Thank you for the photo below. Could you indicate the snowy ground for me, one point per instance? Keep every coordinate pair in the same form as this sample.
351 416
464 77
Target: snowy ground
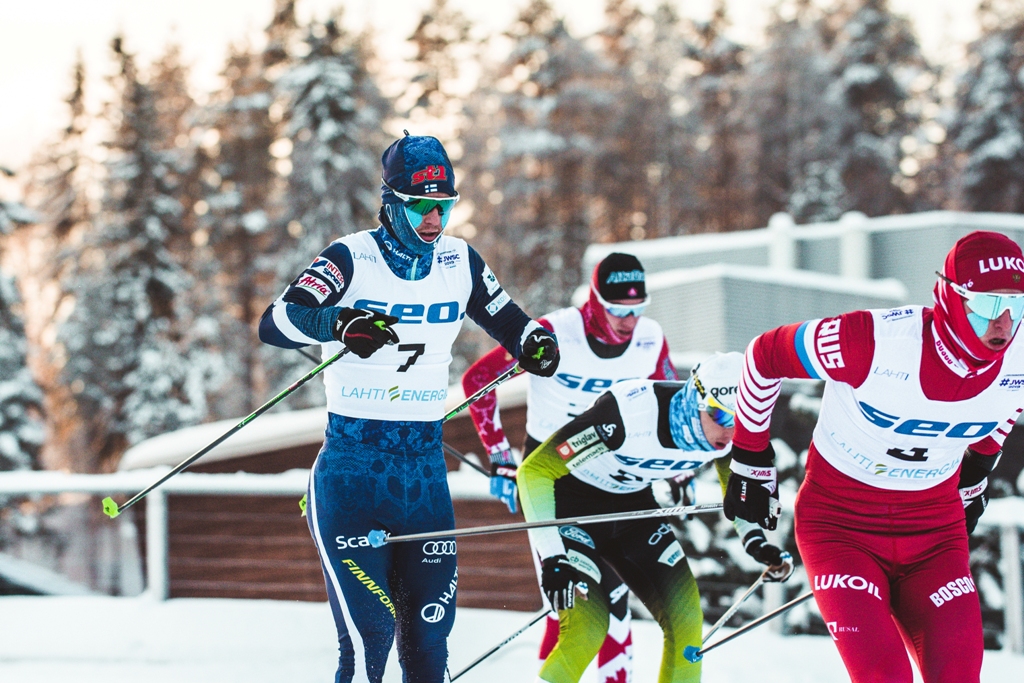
94 639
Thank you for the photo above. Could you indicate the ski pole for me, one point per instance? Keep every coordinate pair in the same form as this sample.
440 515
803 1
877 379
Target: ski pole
112 509
447 449
735 606
378 537
693 655
459 456
533 620
500 379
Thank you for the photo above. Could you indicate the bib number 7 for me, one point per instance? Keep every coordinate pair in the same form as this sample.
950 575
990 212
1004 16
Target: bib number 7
417 351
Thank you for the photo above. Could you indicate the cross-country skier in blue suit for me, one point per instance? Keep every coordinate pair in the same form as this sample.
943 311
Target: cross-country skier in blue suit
396 297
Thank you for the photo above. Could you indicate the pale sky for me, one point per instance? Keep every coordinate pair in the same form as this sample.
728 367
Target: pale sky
39 39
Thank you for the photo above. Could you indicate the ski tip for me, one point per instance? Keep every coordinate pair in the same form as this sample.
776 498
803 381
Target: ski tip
692 654
302 505
377 538
110 508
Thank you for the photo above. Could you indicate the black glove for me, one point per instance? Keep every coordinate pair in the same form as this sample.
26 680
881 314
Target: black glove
779 561
364 332
540 353
974 484
752 492
559 580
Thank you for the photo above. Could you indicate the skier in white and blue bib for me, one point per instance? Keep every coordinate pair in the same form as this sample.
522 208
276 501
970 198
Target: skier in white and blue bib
395 297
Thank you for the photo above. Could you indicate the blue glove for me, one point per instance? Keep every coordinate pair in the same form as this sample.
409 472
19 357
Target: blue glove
503 477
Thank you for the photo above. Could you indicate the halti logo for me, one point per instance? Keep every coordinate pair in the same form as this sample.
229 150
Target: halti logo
429 173
827 345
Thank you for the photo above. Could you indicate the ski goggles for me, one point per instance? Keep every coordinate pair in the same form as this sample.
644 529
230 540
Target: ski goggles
622 310
418 207
718 412
989 305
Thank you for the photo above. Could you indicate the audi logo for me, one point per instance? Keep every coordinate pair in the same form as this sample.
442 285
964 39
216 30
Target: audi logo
439 548
433 612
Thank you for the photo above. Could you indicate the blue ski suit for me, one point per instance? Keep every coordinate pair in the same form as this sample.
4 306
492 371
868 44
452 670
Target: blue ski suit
382 465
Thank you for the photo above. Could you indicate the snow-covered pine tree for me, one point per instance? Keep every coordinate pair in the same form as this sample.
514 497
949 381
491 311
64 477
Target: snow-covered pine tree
22 430
21 401
334 114
124 361
781 109
874 57
636 145
243 162
57 188
717 187
986 131
533 142
443 49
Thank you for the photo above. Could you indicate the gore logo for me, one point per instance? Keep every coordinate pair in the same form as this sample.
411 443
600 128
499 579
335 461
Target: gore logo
434 173
415 314
591 385
827 345
921 427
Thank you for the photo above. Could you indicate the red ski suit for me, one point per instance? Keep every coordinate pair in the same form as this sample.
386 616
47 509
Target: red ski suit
881 532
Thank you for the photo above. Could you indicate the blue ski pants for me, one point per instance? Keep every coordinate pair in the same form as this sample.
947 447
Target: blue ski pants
390 475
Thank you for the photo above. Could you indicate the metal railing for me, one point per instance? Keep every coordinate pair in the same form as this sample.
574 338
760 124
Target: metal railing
292 483
1006 514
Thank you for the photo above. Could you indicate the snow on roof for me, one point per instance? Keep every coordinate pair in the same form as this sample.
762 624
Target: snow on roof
888 288
38 579
269 432
684 244
761 237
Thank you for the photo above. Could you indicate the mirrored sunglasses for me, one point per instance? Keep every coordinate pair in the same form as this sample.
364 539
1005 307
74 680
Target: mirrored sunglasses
418 207
623 310
719 413
989 305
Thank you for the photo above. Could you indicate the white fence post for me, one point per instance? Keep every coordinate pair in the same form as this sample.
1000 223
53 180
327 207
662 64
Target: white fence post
775 597
782 247
156 545
1013 587
854 246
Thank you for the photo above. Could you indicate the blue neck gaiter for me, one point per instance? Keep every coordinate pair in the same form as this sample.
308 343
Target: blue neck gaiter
684 420
402 263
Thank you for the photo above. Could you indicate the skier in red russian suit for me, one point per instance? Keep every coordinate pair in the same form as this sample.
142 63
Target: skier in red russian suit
917 404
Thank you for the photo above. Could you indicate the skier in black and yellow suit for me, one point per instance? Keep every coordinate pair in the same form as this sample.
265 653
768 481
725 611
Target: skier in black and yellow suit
604 461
